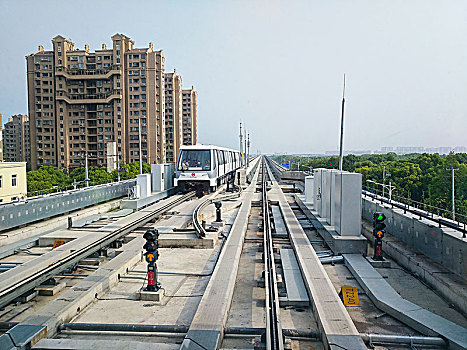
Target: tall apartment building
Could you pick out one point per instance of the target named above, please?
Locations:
(80, 100)
(1, 138)
(173, 115)
(190, 117)
(16, 139)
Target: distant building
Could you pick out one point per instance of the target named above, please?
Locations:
(460, 149)
(16, 140)
(190, 117)
(80, 100)
(173, 115)
(13, 183)
(1, 138)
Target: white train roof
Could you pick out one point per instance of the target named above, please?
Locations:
(206, 147)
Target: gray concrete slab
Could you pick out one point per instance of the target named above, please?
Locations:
(447, 284)
(64, 235)
(71, 301)
(101, 344)
(296, 291)
(388, 300)
(279, 225)
(206, 329)
(139, 203)
(187, 240)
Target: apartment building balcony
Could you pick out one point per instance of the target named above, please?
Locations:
(100, 97)
(88, 73)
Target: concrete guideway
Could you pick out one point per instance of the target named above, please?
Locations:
(47, 320)
(338, 330)
(207, 328)
(446, 284)
(388, 300)
(274, 336)
(75, 299)
(25, 236)
(27, 276)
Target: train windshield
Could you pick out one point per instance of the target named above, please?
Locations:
(195, 160)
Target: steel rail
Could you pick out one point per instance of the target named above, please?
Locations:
(201, 231)
(274, 339)
(11, 292)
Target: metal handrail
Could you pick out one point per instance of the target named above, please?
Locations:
(429, 209)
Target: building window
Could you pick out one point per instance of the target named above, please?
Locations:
(13, 180)
(1, 181)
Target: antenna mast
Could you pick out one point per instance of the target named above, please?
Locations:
(341, 151)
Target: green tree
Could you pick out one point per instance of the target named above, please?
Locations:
(129, 171)
(45, 178)
(97, 175)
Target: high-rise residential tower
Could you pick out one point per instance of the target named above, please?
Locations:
(190, 117)
(16, 139)
(1, 137)
(173, 115)
(80, 100)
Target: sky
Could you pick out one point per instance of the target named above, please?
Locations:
(278, 66)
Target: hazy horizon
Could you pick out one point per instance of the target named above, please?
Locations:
(277, 66)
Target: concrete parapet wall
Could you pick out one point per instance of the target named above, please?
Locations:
(23, 213)
(250, 172)
(293, 175)
(444, 246)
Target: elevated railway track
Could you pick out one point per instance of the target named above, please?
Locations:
(237, 294)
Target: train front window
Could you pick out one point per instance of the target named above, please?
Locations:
(195, 160)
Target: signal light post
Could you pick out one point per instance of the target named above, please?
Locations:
(152, 254)
(378, 232)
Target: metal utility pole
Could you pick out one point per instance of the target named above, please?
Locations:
(248, 150)
(245, 149)
(453, 193)
(241, 141)
(341, 150)
(140, 153)
(86, 170)
(118, 168)
(384, 178)
(390, 191)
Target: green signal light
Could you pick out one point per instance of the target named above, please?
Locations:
(380, 217)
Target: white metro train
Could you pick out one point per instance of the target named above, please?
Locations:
(204, 167)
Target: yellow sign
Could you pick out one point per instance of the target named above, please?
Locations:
(350, 296)
(58, 243)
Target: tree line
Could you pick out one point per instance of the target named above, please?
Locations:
(48, 179)
(423, 180)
